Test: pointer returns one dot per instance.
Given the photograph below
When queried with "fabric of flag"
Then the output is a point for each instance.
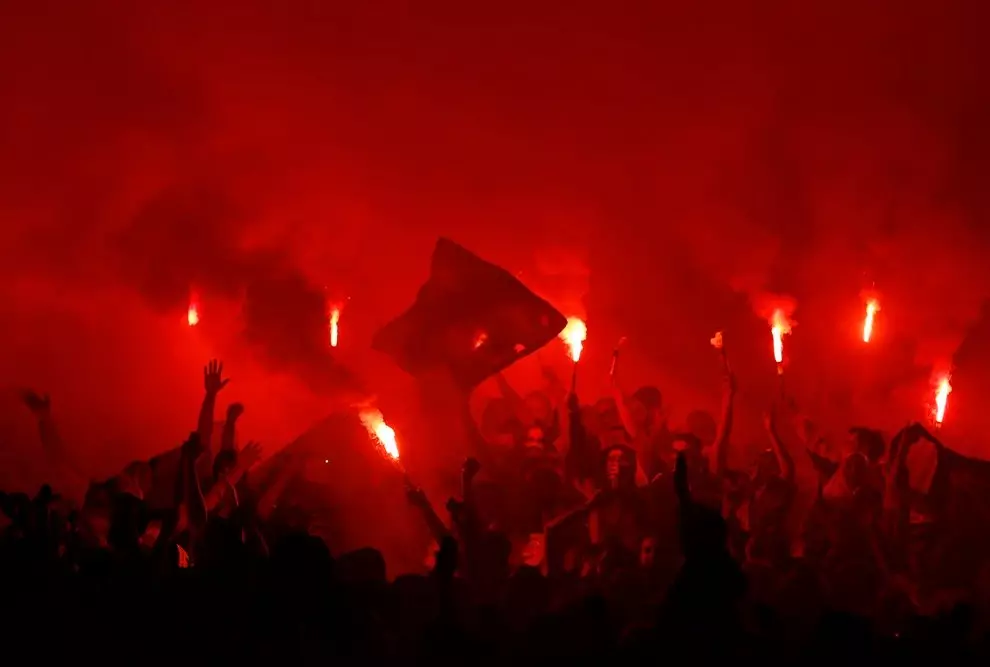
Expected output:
(471, 317)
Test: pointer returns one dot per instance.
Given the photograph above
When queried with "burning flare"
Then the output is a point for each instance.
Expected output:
(779, 327)
(872, 306)
(574, 335)
(192, 315)
(941, 399)
(334, 329)
(380, 431)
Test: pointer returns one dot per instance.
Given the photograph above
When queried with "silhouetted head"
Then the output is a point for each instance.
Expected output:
(498, 424)
(765, 467)
(645, 407)
(702, 425)
(868, 442)
(539, 407)
(620, 467)
(224, 463)
(140, 475)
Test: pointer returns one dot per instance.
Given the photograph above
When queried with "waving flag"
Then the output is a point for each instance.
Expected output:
(471, 317)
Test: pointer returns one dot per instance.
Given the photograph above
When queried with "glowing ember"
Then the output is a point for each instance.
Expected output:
(192, 315)
(574, 335)
(717, 340)
(779, 327)
(872, 306)
(334, 328)
(941, 399)
(382, 432)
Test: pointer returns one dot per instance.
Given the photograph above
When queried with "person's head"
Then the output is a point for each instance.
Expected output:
(765, 467)
(498, 425)
(648, 552)
(620, 467)
(224, 463)
(97, 513)
(136, 479)
(866, 441)
(702, 426)
(591, 420)
(855, 469)
(535, 438)
(608, 413)
(539, 407)
(645, 405)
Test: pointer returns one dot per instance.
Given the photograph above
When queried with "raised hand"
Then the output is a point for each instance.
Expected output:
(249, 455)
(37, 403)
(213, 381)
(234, 411)
(471, 468)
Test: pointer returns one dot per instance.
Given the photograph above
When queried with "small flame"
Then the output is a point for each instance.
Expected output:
(780, 326)
(941, 399)
(334, 328)
(717, 340)
(192, 315)
(382, 432)
(480, 339)
(872, 306)
(574, 335)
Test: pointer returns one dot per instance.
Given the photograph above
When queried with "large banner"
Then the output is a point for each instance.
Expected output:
(471, 317)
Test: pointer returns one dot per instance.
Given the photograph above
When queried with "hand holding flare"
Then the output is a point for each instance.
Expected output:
(779, 327)
(942, 391)
(574, 334)
(718, 343)
(334, 326)
(872, 307)
(383, 434)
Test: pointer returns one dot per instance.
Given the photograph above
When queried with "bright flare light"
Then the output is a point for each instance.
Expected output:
(382, 432)
(574, 335)
(872, 306)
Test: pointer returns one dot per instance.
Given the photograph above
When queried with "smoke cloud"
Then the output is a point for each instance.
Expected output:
(657, 168)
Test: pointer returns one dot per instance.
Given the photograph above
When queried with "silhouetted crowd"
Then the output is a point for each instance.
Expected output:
(585, 532)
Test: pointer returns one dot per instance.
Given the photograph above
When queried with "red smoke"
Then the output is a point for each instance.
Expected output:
(652, 165)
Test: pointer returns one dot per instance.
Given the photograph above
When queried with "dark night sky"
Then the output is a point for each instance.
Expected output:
(658, 168)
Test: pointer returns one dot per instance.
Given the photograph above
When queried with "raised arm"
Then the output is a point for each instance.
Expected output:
(581, 456)
(213, 382)
(51, 442)
(784, 460)
(718, 450)
(227, 482)
(188, 494)
(625, 416)
(418, 499)
(227, 442)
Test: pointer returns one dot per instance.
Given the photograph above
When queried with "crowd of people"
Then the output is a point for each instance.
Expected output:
(581, 531)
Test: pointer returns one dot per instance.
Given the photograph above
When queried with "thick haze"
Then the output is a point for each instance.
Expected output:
(660, 168)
